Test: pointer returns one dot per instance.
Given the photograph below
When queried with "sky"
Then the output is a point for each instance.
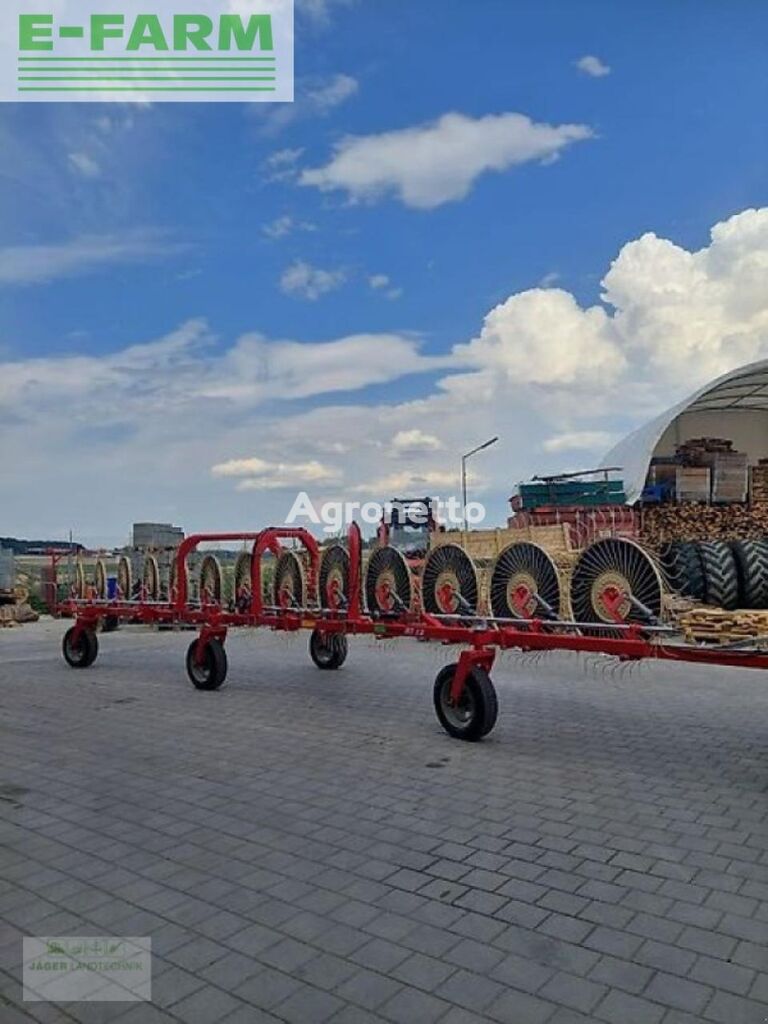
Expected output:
(545, 221)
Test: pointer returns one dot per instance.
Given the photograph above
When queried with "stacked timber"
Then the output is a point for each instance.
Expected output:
(693, 452)
(710, 625)
(759, 490)
(739, 521)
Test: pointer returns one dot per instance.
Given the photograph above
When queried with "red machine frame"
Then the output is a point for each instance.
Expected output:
(465, 704)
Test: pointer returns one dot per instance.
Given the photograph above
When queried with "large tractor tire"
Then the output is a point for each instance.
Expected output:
(721, 579)
(751, 557)
(684, 569)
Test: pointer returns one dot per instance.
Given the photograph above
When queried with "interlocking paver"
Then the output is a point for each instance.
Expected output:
(603, 857)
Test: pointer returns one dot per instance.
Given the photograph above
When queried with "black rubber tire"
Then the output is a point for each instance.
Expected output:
(684, 569)
(328, 650)
(213, 671)
(479, 703)
(84, 653)
(751, 557)
(110, 623)
(722, 581)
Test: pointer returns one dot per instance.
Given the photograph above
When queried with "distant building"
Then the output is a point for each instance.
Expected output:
(157, 535)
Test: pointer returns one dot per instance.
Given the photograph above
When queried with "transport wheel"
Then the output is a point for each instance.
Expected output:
(110, 623)
(616, 580)
(82, 653)
(476, 711)
(333, 582)
(751, 557)
(211, 673)
(722, 581)
(524, 583)
(388, 587)
(684, 569)
(288, 585)
(328, 650)
(449, 582)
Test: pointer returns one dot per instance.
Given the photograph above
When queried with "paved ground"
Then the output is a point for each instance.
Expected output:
(311, 847)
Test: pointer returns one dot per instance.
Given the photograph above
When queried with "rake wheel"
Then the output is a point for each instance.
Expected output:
(173, 581)
(752, 567)
(101, 579)
(449, 584)
(288, 590)
(242, 583)
(80, 583)
(524, 583)
(150, 578)
(125, 577)
(722, 581)
(684, 570)
(614, 580)
(388, 588)
(334, 578)
(210, 580)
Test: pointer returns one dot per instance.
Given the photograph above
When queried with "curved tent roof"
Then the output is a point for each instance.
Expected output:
(744, 389)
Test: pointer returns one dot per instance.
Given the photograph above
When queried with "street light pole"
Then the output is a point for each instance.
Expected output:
(480, 447)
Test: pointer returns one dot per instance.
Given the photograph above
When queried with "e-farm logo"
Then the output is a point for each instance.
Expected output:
(148, 50)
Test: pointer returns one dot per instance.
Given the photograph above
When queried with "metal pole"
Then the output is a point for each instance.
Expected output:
(464, 492)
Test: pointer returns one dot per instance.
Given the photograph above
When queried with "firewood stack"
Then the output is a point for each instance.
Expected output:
(740, 521)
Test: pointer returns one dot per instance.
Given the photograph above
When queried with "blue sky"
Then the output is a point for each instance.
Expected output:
(122, 225)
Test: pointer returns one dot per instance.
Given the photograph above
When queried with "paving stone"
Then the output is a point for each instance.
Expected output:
(621, 974)
(410, 1005)
(572, 991)
(677, 992)
(520, 1008)
(729, 1009)
(621, 1008)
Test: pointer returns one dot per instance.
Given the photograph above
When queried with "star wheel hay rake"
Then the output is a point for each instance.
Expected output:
(288, 586)
(334, 579)
(388, 585)
(449, 583)
(525, 584)
(616, 581)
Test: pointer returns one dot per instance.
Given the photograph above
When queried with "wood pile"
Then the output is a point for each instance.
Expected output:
(759, 490)
(711, 625)
(692, 452)
(740, 521)
(15, 614)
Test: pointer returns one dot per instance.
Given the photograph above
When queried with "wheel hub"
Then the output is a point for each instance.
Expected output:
(611, 596)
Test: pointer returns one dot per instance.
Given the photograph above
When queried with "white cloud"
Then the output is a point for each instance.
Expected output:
(303, 281)
(314, 97)
(84, 165)
(331, 93)
(377, 281)
(32, 264)
(580, 440)
(415, 441)
(593, 66)
(261, 475)
(381, 283)
(439, 162)
(319, 11)
(283, 226)
(281, 165)
(544, 337)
